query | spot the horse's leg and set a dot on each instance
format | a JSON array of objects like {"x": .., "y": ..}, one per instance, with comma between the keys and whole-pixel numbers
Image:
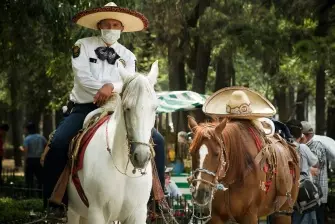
[
  {"x": 138, "y": 216},
  {"x": 73, "y": 218},
  {"x": 95, "y": 215}
]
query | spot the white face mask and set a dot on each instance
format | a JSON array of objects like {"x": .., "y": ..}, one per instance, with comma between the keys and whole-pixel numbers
[{"x": 110, "y": 36}]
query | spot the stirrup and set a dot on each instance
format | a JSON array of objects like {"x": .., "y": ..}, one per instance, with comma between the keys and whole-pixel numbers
[{"x": 52, "y": 218}]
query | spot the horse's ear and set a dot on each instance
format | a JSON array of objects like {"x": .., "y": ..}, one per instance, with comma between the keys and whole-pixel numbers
[
  {"x": 122, "y": 71},
  {"x": 153, "y": 74},
  {"x": 192, "y": 124},
  {"x": 221, "y": 126}
]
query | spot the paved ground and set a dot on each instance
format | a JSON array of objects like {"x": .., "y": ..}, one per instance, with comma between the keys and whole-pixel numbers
[{"x": 9, "y": 164}]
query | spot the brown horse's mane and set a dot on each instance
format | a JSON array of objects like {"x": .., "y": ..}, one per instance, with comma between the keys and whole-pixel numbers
[{"x": 237, "y": 139}]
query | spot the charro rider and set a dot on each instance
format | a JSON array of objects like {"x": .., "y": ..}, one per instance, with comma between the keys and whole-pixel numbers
[{"x": 95, "y": 79}]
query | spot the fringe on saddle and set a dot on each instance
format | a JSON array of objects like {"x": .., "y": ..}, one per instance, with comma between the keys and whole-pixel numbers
[{"x": 269, "y": 158}]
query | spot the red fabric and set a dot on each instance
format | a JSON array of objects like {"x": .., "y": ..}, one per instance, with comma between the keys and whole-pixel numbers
[
  {"x": 80, "y": 159},
  {"x": 266, "y": 168},
  {"x": 257, "y": 139},
  {"x": 268, "y": 185}
]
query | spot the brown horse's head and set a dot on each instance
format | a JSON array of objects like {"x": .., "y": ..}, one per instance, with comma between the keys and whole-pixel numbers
[
  {"x": 208, "y": 159},
  {"x": 217, "y": 148}
]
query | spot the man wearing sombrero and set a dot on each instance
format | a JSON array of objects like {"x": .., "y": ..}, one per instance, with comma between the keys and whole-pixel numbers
[{"x": 96, "y": 77}]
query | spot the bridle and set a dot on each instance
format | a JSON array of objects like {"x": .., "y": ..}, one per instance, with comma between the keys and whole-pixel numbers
[
  {"x": 216, "y": 185},
  {"x": 130, "y": 141},
  {"x": 223, "y": 167}
]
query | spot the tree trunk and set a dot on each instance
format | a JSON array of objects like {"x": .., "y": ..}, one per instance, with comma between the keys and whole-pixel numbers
[
  {"x": 176, "y": 63},
  {"x": 224, "y": 70},
  {"x": 280, "y": 95},
  {"x": 201, "y": 71},
  {"x": 177, "y": 80},
  {"x": 320, "y": 102},
  {"x": 290, "y": 102},
  {"x": 16, "y": 115},
  {"x": 301, "y": 103},
  {"x": 48, "y": 123},
  {"x": 331, "y": 122}
]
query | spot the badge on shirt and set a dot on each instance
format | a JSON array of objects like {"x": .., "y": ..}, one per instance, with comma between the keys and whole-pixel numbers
[
  {"x": 93, "y": 60},
  {"x": 123, "y": 62},
  {"x": 76, "y": 51}
]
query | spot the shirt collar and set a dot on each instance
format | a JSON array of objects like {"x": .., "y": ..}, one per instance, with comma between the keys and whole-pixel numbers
[{"x": 310, "y": 140}]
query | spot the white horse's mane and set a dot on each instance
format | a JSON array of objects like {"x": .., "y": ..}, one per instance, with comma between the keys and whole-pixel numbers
[
  {"x": 133, "y": 90},
  {"x": 131, "y": 94}
]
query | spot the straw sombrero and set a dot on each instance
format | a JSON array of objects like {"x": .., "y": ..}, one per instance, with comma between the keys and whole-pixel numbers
[
  {"x": 132, "y": 21},
  {"x": 238, "y": 102}
]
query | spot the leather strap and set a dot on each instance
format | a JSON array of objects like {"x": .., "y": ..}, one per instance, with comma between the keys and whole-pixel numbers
[{"x": 60, "y": 188}]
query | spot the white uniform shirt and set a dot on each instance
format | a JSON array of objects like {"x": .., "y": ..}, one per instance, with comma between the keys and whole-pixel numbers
[{"x": 91, "y": 73}]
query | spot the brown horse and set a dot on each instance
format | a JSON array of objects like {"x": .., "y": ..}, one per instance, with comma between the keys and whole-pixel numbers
[{"x": 239, "y": 174}]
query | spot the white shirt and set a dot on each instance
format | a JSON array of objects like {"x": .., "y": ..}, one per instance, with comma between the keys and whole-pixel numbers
[{"x": 91, "y": 73}]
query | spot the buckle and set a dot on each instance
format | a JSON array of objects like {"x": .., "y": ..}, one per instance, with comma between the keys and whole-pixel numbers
[{"x": 56, "y": 214}]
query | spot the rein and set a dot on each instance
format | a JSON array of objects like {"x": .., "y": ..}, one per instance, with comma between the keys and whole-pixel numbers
[{"x": 129, "y": 141}]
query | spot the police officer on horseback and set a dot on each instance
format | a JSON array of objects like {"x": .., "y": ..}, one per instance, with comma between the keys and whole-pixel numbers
[{"x": 95, "y": 79}]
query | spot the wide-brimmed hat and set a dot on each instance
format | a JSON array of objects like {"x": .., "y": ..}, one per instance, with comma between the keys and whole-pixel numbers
[
  {"x": 131, "y": 20},
  {"x": 238, "y": 102}
]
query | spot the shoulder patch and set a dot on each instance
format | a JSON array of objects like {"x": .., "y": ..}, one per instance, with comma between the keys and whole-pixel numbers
[
  {"x": 76, "y": 51},
  {"x": 123, "y": 62}
]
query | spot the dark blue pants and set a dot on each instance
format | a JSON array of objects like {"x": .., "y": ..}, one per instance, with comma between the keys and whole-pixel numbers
[
  {"x": 57, "y": 156},
  {"x": 320, "y": 213},
  {"x": 159, "y": 148}
]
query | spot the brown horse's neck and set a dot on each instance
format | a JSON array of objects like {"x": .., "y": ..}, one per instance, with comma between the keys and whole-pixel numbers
[{"x": 240, "y": 145}]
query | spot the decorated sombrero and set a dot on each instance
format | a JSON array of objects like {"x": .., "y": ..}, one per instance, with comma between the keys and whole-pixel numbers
[
  {"x": 238, "y": 102},
  {"x": 131, "y": 20}
]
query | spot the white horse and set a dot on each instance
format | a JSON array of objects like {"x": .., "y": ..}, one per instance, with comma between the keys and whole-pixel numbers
[{"x": 112, "y": 188}]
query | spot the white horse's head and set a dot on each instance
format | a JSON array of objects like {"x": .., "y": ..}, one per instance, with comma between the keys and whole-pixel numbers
[{"x": 139, "y": 102}]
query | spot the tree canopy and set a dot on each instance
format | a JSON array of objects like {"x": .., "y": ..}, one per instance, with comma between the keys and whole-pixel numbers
[{"x": 281, "y": 48}]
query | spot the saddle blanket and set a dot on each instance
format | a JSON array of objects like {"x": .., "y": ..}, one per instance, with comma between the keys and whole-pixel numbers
[{"x": 77, "y": 152}]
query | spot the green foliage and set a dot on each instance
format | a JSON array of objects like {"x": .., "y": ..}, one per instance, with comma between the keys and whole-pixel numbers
[
  {"x": 273, "y": 44},
  {"x": 18, "y": 209}
]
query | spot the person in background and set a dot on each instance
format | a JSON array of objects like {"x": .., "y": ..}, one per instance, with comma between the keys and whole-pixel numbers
[
  {"x": 324, "y": 152},
  {"x": 3, "y": 130},
  {"x": 33, "y": 146},
  {"x": 170, "y": 186},
  {"x": 307, "y": 160}
]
